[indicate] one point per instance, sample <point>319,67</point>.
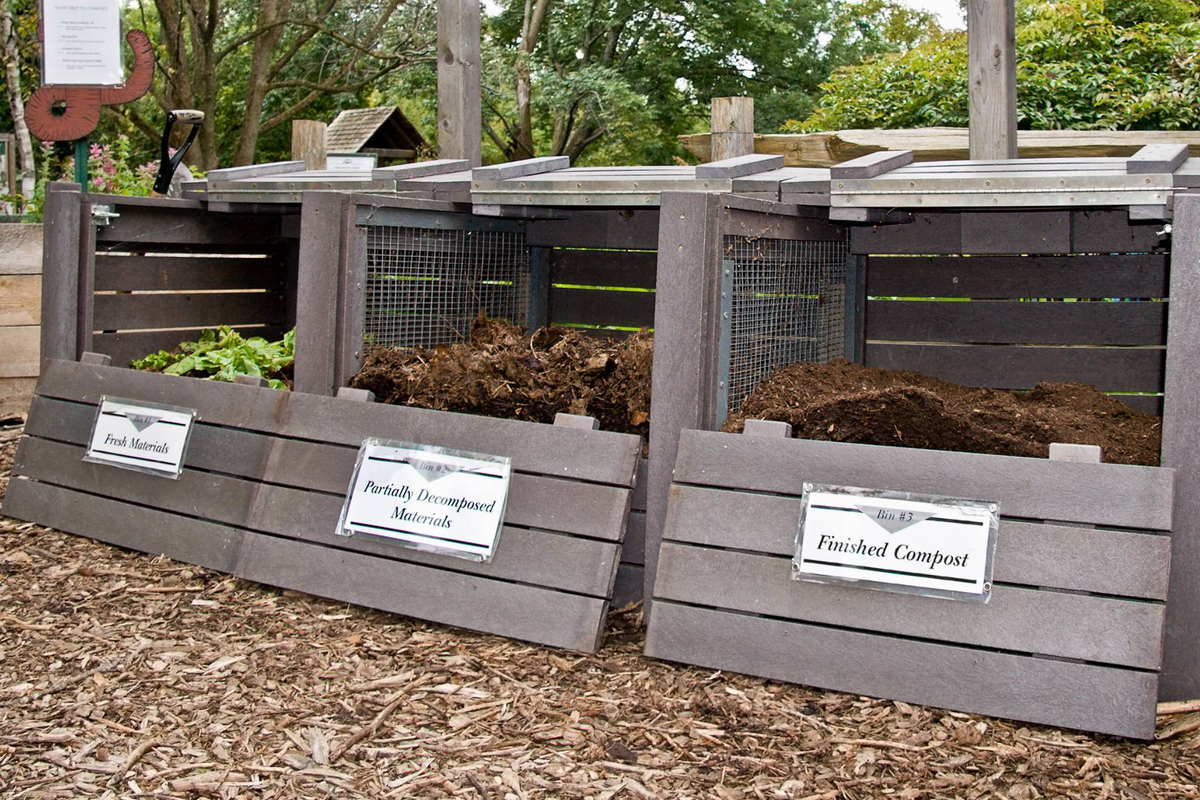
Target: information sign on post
<point>82,44</point>
<point>145,437</point>
<point>428,498</point>
<point>897,541</point>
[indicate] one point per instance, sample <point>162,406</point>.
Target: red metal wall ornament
<point>78,107</point>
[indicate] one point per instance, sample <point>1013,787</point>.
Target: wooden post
<point>460,126</point>
<point>992,66</point>
<point>732,127</point>
<point>308,142</point>
<point>60,271</point>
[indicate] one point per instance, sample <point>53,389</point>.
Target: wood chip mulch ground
<point>125,675</point>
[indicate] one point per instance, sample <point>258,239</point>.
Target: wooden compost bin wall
<point>609,252</point>
<point>263,484</point>
<point>1017,269</point>
<point>1071,636</point>
<point>160,273</point>
<point>20,314</point>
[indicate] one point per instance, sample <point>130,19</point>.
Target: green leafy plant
<point>222,354</point>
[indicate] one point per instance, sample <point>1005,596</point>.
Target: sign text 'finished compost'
<point>429,498</point>
<point>897,541</point>
<point>147,437</point>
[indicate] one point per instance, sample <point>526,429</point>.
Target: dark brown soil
<point>504,372</point>
<point>844,402</point>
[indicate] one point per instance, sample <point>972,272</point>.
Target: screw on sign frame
<point>62,113</point>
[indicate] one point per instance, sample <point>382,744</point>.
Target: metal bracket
<point>103,215</point>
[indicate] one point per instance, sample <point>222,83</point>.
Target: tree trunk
<point>269,12</point>
<point>535,15</point>
<point>16,104</point>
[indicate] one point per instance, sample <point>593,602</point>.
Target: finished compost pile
<point>504,372</point>
<point>844,402</point>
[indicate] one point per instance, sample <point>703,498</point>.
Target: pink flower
<point>96,151</point>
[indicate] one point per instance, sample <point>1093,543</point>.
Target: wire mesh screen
<point>424,286</point>
<point>787,304</point>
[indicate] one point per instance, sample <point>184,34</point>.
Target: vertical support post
<point>539,288</point>
<point>687,308</point>
<point>732,127</point>
<point>1180,679</point>
<point>460,124</point>
<point>308,142</point>
<point>60,271</point>
<point>86,290</point>
<point>992,67</point>
<point>352,299</point>
<point>321,248</point>
<point>856,306</point>
<point>81,162</point>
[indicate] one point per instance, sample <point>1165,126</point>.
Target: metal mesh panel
<point>424,286</point>
<point>787,303</point>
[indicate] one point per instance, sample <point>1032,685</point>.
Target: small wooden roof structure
<point>382,130</point>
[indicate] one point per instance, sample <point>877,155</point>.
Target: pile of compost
<point>504,372</point>
<point>844,402</point>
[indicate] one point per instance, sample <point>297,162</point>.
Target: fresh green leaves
<point>222,354</point>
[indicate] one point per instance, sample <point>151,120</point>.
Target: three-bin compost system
<point>864,460</point>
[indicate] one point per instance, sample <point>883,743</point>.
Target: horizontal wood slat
<point>1110,369</point>
<point>1104,630</point>
<point>534,448</point>
<point>20,346</point>
<point>126,347</point>
<point>180,273</point>
<point>137,311</point>
<point>604,267</point>
<point>1044,691</point>
<point>583,566</point>
<point>187,226</point>
<point>1003,277</point>
<point>598,307</point>
<point>1119,563</point>
<point>633,549</point>
<point>20,299</point>
<point>1109,231</point>
<point>523,612</point>
<point>536,501</point>
<point>623,230</point>
<point>1003,322</point>
<point>1029,488</point>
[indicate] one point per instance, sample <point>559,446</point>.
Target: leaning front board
<point>1023,588</point>
<point>267,478</point>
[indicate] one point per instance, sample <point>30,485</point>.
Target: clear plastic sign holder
<point>144,437</point>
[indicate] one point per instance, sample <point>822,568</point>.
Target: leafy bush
<point>222,354</point>
<point>1084,64</point>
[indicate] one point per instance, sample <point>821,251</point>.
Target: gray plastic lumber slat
<point>1023,232</point>
<point>322,217</point>
<point>871,165</point>
<point>1030,488</point>
<point>522,612</point>
<point>1157,158</point>
<point>620,230</point>
<point>932,234</point>
<point>534,501</point>
<point>633,549</point>
<point>115,273</point>
<point>1044,691</point>
<point>738,166</point>
<point>1104,630</point>
<point>604,267</point>
<point>1000,277</point>
<point>597,307</point>
<point>154,228</point>
<point>639,489</point>
<point>533,447</point>
<point>1118,563</point>
<point>520,169</point>
<point>562,562</point>
<point>1003,322</point>
<point>60,271</point>
<point>1109,231</point>
<point>137,311</point>
<point>1109,369</point>
<point>254,171</point>
<point>628,586</point>
<point>1180,443</point>
<point>786,180</point>
<point>195,541</point>
<point>421,169</point>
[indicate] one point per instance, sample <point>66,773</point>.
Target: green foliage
<point>222,354</point>
<point>1086,64</point>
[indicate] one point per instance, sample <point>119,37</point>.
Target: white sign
<point>897,541</point>
<point>146,437</point>
<point>430,498</point>
<point>351,162</point>
<point>83,43</point>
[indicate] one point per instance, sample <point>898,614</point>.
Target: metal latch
<point>1166,231</point>
<point>103,215</point>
